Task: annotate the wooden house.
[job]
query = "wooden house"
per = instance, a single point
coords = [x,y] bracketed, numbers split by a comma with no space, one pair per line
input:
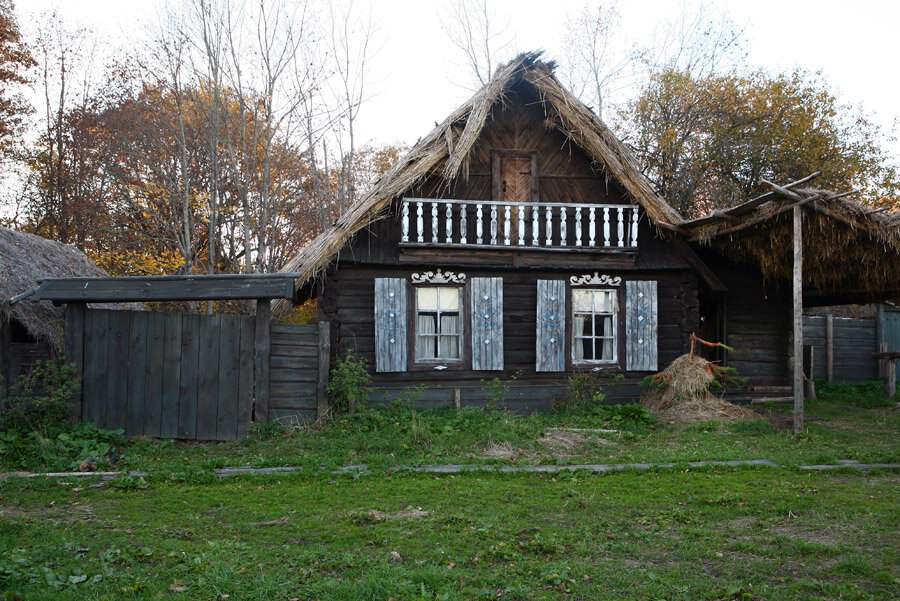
[519,240]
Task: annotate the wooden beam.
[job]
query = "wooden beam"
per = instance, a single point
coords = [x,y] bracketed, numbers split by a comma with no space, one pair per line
[261,351]
[166,288]
[75,313]
[798,319]
[708,275]
[324,368]
[829,344]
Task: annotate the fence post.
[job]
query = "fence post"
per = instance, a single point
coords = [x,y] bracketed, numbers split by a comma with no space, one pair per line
[809,364]
[324,367]
[829,344]
[75,352]
[261,351]
[880,337]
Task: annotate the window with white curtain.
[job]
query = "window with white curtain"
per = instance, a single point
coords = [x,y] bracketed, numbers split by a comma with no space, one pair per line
[594,326]
[438,323]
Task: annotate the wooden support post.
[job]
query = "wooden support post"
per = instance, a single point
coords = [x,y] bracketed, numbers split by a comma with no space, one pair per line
[324,368]
[829,344]
[457,401]
[880,343]
[890,378]
[809,369]
[75,313]
[798,319]
[261,351]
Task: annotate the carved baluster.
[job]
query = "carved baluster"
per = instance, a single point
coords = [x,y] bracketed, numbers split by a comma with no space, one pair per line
[621,228]
[577,226]
[563,233]
[493,224]
[605,226]
[548,226]
[479,226]
[634,226]
[420,226]
[535,228]
[521,225]
[434,223]
[462,223]
[405,222]
[506,225]
[448,218]
[592,226]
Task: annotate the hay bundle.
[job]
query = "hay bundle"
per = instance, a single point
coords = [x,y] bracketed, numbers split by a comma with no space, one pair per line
[685,397]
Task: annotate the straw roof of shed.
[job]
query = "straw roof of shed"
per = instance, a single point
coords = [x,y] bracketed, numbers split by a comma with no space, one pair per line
[445,152]
[849,251]
[25,259]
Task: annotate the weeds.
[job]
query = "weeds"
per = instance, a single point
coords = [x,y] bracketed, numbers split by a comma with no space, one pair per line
[350,384]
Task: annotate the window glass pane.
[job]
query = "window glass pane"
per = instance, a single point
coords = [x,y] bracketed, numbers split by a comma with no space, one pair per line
[425,347]
[581,300]
[449,299]
[607,350]
[426,299]
[603,301]
[449,324]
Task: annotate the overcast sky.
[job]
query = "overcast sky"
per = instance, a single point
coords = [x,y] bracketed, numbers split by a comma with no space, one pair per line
[415,75]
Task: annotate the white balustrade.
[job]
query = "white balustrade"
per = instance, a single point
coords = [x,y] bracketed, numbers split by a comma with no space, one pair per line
[620,229]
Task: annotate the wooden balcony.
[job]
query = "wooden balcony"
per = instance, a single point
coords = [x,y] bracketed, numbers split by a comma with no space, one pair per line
[533,226]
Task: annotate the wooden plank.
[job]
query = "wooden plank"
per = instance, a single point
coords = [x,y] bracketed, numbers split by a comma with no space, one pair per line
[486,306]
[208,376]
[390,325]
[288,393]
[75,315]
[95,353]
[156,371]
[188,380]
[550,346]
[166,288]
[798,318]
[295,331]
[283,350]
[171,376]
[228,377]
[323,368]
[137,373]
[287,363]
[261,350]
[245,376]
[117,370]
[641,325]
[829,345]
[879,335]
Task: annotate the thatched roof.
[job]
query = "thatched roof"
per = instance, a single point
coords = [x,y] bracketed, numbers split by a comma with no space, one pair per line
[445,152]
[25,259]
[848,249]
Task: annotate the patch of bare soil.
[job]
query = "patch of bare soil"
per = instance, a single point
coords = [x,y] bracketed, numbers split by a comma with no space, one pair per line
[686,399]
[410,513]
[830,536]
[52,513]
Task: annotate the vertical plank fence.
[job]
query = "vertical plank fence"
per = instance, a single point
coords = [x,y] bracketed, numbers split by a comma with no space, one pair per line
[195,377]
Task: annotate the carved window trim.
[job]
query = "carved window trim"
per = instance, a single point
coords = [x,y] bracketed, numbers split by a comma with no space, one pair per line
[595,280]
[438,276]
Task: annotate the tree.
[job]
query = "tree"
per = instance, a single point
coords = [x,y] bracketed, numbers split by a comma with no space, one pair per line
[472,28]
[706,142]
[15,62]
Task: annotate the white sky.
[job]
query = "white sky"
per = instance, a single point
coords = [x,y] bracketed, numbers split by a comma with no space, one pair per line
[411,79]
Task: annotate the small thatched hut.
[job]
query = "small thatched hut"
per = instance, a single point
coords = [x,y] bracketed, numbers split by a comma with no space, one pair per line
[30,330]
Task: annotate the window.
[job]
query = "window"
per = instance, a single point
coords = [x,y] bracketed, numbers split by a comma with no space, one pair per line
[594,326]
[438,323]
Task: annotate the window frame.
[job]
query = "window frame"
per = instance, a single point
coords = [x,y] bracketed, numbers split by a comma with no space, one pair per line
[416,364]
[617,323]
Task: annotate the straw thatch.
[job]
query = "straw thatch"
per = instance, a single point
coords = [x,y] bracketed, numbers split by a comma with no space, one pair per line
[444,153]
[848,249]
[25,259]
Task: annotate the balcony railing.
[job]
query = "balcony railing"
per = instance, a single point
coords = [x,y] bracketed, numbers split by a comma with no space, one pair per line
[542,225]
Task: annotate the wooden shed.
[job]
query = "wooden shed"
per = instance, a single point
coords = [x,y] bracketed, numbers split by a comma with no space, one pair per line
[519,240]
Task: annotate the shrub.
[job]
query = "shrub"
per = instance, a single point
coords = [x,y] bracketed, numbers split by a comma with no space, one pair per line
[350,383]
[39,401]
[584,390]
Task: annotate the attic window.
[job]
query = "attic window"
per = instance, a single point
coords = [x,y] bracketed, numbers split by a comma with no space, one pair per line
[515,176]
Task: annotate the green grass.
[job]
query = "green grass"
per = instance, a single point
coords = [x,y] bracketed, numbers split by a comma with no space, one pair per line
[726,533]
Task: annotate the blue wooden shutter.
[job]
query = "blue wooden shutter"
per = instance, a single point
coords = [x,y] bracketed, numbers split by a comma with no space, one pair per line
[640,326]
[390,324]
[487,323]
[551,326]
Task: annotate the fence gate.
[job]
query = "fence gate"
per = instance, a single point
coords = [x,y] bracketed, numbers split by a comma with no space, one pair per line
[197,377]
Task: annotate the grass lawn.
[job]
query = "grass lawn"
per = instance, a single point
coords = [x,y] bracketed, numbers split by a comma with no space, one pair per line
[723,533]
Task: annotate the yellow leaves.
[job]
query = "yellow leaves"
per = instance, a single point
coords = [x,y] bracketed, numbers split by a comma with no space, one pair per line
[139,262]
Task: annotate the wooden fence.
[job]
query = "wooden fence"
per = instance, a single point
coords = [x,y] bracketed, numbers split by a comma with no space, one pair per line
[195,377]
[852,343]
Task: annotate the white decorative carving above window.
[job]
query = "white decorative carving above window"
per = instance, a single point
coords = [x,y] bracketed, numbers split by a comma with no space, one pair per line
[594,280]
[439,277]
